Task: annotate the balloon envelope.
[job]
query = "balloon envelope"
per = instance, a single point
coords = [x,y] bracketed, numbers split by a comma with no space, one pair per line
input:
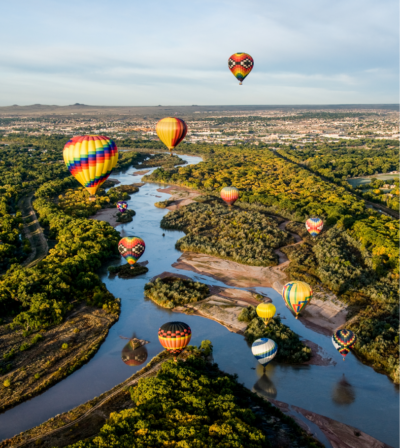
[122,206]
[230,195]
[297,295]
[90,159]
[314,226]
[266,311]
[171,131]
[131,248]
[343,341]
[240,64]
[174,336]
[264,350]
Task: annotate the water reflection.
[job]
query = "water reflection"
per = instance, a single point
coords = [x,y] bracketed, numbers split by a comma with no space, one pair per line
[264,385]
[134,356]
[343,393]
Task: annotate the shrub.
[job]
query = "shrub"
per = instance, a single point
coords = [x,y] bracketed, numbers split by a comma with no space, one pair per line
[64,346]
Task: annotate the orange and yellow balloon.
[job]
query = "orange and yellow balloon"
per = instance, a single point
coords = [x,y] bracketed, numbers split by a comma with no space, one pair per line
[266,311]
[90,159]
[230,195]
[171,131]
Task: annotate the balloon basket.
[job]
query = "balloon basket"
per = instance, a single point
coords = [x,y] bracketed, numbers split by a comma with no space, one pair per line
[240,83]
[92,198]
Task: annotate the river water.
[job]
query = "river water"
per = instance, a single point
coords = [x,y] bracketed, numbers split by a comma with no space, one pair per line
[349,391]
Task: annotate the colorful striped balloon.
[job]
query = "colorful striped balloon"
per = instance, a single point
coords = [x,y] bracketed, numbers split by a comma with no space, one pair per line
[174,336]
[230,195]
[131,248]
[314,226]
[266,311]
[122,206]
[343,341]
[171,131]
[297,295]
[240,64]
[264,350]
[90,159]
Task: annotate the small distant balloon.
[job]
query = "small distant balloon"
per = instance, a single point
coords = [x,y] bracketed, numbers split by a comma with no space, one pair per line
[230,195]
[171,131]
[90,159]
[297,296]
[264,350]
[122,206]
[344,340]
[314,226]
[266,311]
[240,64]
[131,248]
[174,336]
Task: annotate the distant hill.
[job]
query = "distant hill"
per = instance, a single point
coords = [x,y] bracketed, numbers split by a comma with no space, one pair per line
[80,108]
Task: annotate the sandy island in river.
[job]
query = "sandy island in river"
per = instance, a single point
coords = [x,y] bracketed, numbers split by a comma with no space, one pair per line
[180,196]
[108,215]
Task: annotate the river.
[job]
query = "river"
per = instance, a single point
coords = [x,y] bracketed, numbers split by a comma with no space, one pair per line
[349,391]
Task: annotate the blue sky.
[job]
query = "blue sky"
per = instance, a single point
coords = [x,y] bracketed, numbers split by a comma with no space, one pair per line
[150,52]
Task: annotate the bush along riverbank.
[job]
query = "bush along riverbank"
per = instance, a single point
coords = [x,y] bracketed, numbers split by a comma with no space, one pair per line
[215,229]
[290,348]
[127,271]
[193,403]
[170,292]
[190,403]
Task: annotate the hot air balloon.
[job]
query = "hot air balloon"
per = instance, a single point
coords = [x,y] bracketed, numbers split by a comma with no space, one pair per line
[266,311]
[230,195]
[90,159]
[134,356]
[122,206]
[343,341]
[174,336]
[171,131]
[240,64]
[264,350]
[131,248]
[314,226]
[297,295]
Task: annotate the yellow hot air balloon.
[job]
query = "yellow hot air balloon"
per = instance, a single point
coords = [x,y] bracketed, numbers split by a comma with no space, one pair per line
[171,131]
[297,296]
[90,159]
[266,311]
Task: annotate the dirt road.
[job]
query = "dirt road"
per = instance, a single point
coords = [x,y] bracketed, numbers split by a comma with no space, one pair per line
[33,232]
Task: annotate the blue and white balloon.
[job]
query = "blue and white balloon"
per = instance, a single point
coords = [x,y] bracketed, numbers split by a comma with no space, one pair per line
[264,350]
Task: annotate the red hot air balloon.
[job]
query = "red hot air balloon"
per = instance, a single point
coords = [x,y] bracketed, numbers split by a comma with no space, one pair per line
[230,195]
[240,64]
[174,336]
[131,248]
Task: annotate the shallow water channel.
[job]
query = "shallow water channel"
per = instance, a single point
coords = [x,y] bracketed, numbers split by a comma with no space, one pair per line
[349,391]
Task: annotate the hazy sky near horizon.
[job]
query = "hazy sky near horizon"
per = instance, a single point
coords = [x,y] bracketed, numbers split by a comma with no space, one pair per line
[140,53]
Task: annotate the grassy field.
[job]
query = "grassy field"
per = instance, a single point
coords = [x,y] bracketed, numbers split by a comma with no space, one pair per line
[355,182]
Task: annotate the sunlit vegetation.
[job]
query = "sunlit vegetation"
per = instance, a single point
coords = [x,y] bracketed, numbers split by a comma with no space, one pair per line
[290,348]
[163,204]
[170,292]
[215,229]
[194,404]
[165,160]
[128,271]
[358,259]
